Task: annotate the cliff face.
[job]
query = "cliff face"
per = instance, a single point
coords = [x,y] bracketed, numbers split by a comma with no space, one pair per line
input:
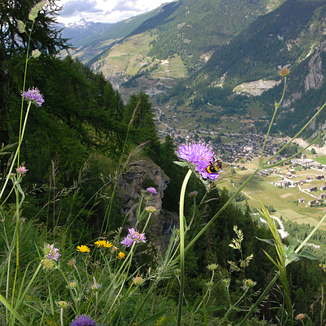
[315,78]
[130,189]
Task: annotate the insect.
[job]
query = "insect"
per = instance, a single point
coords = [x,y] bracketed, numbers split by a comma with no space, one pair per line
[215,166]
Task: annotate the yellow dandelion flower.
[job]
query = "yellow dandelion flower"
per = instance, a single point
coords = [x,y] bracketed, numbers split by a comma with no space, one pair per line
[83,248]
[103,243]
[121,255]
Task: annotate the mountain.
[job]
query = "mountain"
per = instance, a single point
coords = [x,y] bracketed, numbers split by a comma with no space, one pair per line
[89,47]
[81,29]
[214,64]
[170,42]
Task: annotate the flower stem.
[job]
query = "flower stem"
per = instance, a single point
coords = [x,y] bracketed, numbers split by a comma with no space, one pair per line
[182,244]
[17,150]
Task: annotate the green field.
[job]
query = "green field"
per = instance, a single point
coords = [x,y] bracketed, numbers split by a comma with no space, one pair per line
[320,159]
[261,189]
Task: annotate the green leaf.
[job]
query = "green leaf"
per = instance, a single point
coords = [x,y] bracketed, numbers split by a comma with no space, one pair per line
[307,254]
[269,241]
[181,163]
[12,310]
[290,258]
[204,314]
[152,318]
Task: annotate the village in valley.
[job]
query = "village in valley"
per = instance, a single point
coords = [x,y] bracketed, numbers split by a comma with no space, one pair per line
[296,188]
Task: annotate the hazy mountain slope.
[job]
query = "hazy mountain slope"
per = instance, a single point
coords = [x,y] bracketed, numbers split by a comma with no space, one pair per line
[187,30]
[81,30]
[89,47]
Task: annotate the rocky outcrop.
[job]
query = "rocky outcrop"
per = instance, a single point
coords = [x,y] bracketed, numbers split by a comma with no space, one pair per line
[130,187]
[256,88]
[314,79]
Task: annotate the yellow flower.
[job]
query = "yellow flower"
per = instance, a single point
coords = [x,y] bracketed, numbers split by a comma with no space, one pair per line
[83,248]
[103,243]
[121,255]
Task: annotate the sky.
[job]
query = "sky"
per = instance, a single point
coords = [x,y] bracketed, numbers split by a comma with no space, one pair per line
[105,11]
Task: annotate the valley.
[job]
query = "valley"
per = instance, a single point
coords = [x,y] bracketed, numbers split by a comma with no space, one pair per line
[294,190]
[295,196]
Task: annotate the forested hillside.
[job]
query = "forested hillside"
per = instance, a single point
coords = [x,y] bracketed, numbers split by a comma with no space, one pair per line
[291,36]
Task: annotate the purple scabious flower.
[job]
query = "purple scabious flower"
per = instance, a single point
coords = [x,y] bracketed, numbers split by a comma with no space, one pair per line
[21,170]
[83,320]
[199,155]
[133,236]
[152,190]
[33,95]
[52,252]
[127,241]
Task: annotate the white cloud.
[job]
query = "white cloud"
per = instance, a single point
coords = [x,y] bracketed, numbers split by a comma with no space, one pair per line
[108,11]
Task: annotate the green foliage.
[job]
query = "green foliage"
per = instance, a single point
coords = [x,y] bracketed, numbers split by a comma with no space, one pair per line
[138,114]
[201,27]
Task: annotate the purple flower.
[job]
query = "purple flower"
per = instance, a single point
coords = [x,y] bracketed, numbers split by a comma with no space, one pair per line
[21,170]
[133,236]
[51,252]
[127,241]
[33,95]
[83,320]
[199,155]
[152,190]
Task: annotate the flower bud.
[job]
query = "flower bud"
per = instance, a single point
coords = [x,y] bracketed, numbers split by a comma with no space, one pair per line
[212,267]
[300,316]
[72,285]
[72,262]
[21,27]
[151,209]
[35,10]
[63,304]
[138,281]
[36,53]
[226,282]
[284,72]
[48,263]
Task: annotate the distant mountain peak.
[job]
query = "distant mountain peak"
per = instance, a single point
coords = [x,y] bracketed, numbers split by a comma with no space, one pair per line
[80,24]
[82,29]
